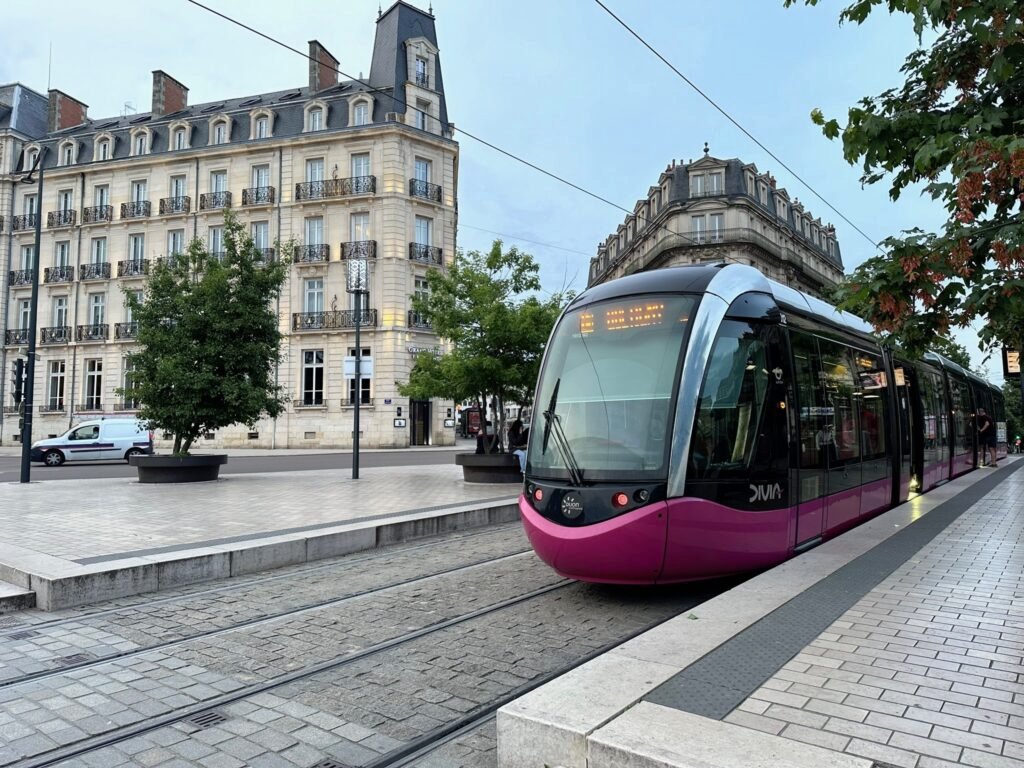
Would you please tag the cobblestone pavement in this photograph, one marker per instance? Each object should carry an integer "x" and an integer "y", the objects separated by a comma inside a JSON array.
[
  {"x": 354, "y": 713},
  {"x": 926, "y": 670}
]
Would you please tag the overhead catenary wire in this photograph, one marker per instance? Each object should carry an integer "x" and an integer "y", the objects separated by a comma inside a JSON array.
[{"x": 735, "y": 122}]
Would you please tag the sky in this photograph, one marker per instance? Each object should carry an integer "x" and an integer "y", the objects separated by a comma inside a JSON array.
[{"x": 556, "y": 82}]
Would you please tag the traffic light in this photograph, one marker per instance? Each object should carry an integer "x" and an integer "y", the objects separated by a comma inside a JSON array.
[{"x": 18, "y": 379}]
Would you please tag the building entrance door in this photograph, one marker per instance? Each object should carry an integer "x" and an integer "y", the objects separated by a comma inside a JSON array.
[{"x": 419, "y": 422}]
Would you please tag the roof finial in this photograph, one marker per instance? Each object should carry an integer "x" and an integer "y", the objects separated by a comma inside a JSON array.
[
  {"x": 430, "y": 9},
  {"x": 380, "y": 11},
  {"x": 705, "y": 149}
]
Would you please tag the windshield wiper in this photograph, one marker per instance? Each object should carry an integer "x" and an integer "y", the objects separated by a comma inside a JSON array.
[{"x": 553, "y": 423}]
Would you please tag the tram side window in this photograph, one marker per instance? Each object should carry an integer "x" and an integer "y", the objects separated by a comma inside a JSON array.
[
  {"x": 815, "y": 417},
  {"x": 872, "y": 406},
  {"x": 841, "y": 392},
  {"x": 929, "y": 417},
  {"x": 740, "y": 425},
  {"x": 960, "y": 405},
  {"x": 943, "y": 412}
]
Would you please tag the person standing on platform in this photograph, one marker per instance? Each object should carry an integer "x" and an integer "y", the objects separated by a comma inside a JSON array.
[{"x": 986, "y": 437}]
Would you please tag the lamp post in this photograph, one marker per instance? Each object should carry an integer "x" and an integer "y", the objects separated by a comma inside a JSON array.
[
  {"x": 30, "y": 367},
  {"x": 357, "y": 282}
]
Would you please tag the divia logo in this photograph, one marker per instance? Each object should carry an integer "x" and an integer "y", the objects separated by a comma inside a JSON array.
[
  {"x": 572, "y": 506},
  {"x": 765, "y": 492}
]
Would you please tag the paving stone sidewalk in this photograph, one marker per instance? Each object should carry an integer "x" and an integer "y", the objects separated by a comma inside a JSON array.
[{"x": 926, "y": 670}]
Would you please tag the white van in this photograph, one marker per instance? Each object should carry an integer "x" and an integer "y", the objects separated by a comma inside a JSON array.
[{"x": 96, "y": 440}]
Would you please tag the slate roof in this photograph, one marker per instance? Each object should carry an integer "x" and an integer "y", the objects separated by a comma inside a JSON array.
[{"x": 22, "y": 110}]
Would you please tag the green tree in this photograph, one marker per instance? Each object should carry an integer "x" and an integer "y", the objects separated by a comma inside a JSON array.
[
  {"x": 208, "y": 339},
  {"x": 955, "y": 126},
  {"x": 485, "y": 305},
  {"x": 1014, "y": 413}
]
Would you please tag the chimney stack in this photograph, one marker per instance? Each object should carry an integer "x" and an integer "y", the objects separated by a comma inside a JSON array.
[
  {"x": 322, "y": 67},
  {"x": 168, "y": 94},
  {"x": 63, "y": 111}
]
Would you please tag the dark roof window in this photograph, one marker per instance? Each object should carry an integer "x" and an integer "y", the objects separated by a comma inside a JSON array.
[
  {"x": 109, "y": 124},
  {"x": 213, "y": 108},
  {"x": 291, "y": 95},
  {"x": 142, "y": 119},
  {"x": 179, "y": 113},
  {"x": 250, "y": 102}
]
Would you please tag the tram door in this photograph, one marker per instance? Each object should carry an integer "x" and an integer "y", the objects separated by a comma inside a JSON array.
[
  {"x": 911, "y": 455},
  {"x": 419, "y": 422},
  {"x": 815, "y": 420}
]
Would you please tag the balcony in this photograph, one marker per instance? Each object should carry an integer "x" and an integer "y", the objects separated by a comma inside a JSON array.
[
  {"x": 140, "y": 209},
  {"x": 96, "y": 332},
  {"x": 170, "y": 262},
  {"x": 209, "y": 201},
  {"x": 98, "y": 271},
  {"x": 425, "y": 190},
  {"x": 64, "y": 218},
  {"x": 98, "y": 214},
  {"x": 124, "y": 331},
  {"x": 56, "y": 334},
  {"x": 422, "y": 80},
  {"x": 133, "y": 268},
  {"x": 258, "y": 196},
  {"x": 52, "y": 407},
  {"x": 265, "y": 255},
  {"x": 17, "y": 337},
  {"x": 359, "y": 249},
  {"x": 129, "y": 406},
  {"x": 92, "y": 406},
  {"x": 171, "y": 205},
  {"x": 59, "y": 275},
  {"x": 713, "y": 192},
  {"x": 333, "y": 320},
  {"x": 319, "y": 190},
  {"x": 312, "y": 254},
  {"x": 27, "y": 221},
  {"x": 20, "y": 276},
  {"x": 12, "y": 410},
  {"x": 428, "y": 254},
  {"x": 416, "y": 320}
]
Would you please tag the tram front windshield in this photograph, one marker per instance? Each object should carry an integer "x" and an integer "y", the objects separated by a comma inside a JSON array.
[{"x": 606, "y": 391}]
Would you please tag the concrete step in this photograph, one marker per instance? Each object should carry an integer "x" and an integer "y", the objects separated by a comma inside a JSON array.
[{"x": 15, "y": 598}]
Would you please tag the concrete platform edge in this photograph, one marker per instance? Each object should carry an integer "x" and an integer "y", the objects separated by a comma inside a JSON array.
[
  {"x": 61, "y": 583},
  {"x": 561, "y": 724}
]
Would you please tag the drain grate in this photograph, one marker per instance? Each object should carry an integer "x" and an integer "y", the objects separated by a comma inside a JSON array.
[
  {"x": 75, "y": 658},
  {"x": 23, "y": 635},
  {"x": 329, "y": 763},
  {"x": 207, "y": 719}
]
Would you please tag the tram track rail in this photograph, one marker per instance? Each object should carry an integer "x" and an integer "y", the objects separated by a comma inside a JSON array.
[
  {"x": 254, "y": 622},
  {"x": 111, "y": 738}
]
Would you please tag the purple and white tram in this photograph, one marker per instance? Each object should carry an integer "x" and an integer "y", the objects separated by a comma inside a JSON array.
[{"x": 699, "y": 421}]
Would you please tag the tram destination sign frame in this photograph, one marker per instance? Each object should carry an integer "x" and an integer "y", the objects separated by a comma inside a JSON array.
[{"x": 1011, "y": 363}]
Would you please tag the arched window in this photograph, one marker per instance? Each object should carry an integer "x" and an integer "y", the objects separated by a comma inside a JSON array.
[
  {"x": 29, "y": 161},
  {"x": 140, "y": 139},
  {"x": 220, "y": 133},
  {"x": 261, "y": 123},
  {"x": 316, "y": 116},
  {"x": 179, "y": 138},
  {"x": 102, "y": 147},
  {"x": 361, "y": 113},
  {"x": 66, "y": 153},
  {"x": 180, "y": 135}
]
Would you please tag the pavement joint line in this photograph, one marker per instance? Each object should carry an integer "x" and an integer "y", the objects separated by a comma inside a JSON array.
[
  {"x": 171, "y": 548},
  {"x": 309, "y": 608},
  {"x": 715, "y": 684},
  {"x": 277, "y": 575},
  {"x": 85, "y": 746}
]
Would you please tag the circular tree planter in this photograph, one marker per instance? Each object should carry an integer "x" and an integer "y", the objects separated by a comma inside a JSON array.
[
  {"x": 178, "y": 469},
  {"x": 489, "y": 467}
]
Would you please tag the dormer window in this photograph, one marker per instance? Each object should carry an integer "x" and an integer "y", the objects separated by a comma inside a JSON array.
[
  {"x": 362, "y": 114},
  {"x": 261, "y": 124},
  {"x": 179, "y": 138},
  {"x": 30, "y": 159},
  {"x": 262, "y": 127},
  {"x": 220, "y": 133},
  {"x": 316, "y": 116},
  {"x": 103, "y": 153},
  {"x": 180, "y": 133},
  {"x": 140, "y": 142},
  {"x": 67, "y": 153},
  {"x": 102, "y": 147}
]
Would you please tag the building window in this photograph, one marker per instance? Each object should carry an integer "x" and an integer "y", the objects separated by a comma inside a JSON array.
[
  {"x": 65, "y": 200},
  {"x": 361, "y": 113},
  {"x": 101, "y": 196},
  {"x": 763, "y": 192},
  {"x": 361, "y": 165},
  {"x": 93, "y": 384},
  {"x": 424, "y": 230},
  {"x": 55, "y": 389},
  {"x": 179, "y": 139},
  {"x": 139, "y": 191},
  {"x": 715, "y": 183},
  {"x": 262, "y": 127},
  {"x": 97, "y": 302},
  {"x": 128, "y": 308},
  {"x": 315, "y": 230},
  {"x": 103, "y": 150},
  {"x": 24, "y": 313},
  {"x": 261, "y": 176},
  {"x": 697, "y": 184},
  {"x": 422, "y": 170},
  {"x": 364, "y": 381},
  {"x": 312, "y": 377},
  {"x": 313, "y": 295},
  {"x": 216, "y": 242},
  {"x": 359, "y": 224},
  {"x": 139, "y": 144},
  {"x": 220, "y": 132},
  {"x": 29, "y": 206},
  {"x": 316, "y": 119},
  {"x": 28, "y": 257},
  {"x": 175, "y": 242},
  {"x": 315, "y": 170},
  {"x": 98, "y": 252},
  {"x": 67, "y": 154},
  {"x": 130, "y": 382},
  {"x": 717, "y": 227},
  {"x": 421, "y": 72},
  {"x": 219, "y": 181},
  {"x": 698, "y": 227},
  {"x": 260, "y": 231},
  {"x": 421, "y": 291},
  {"x": 62, "y": 254},
  {"x": 422, "y": 111},
  {"x": 137, "y": 249},
  {"x": 60, "y": 311},
  {"x": 178, "y": 184}
]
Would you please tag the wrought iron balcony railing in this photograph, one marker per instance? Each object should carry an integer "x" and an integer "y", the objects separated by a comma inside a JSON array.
[
  {"x": 52, "y": 406},
  {"x": 359, "y": 249},
  {"x": 131, "y": 405},
  {"x": 98, "y": 271},
  {"x": 258, "y": 196},
  {"x": 182, "y": 204},
  {"x": 20, "y": 277},
  {"x": 133, "y": 268},
  {"x": 137, "y": 210},
  {"x": 426, "y": 190},
  {"x": 90, "y": 405},
  {"x": 59, "y": 275},
  {"x": 318, "y": 190},
  {"x": 266, "y": 255},
  {"x": 169, "y": 261},
  {"x": 428, "y": 254},
  {"x": 26, "y": 221},
  {"x": 422, "y": 80},
  {"x": 695, "y": 193},
  {"x": 211, "y": 200},
  {"x": 97, "y": 214},
  {"x": 416, "y": 320},
  {"x": 55, "y": 334},
  {"x": 12, "y": 410},
  {"x": 16, "y": 337},
  {"x": 63, "y": 218},
  {"x": 129, "y": 330},
  {"x": 333, "y": 320},
  {"x": 98, "y": 332},
  {"x": 312, "y": 254}
]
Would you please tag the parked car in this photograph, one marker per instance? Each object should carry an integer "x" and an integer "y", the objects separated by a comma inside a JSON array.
[{"x": 96, "y": 440}]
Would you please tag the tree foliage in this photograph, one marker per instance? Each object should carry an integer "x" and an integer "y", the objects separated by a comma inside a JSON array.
[
  {"x": 485, "y": 305},
  {"x": 209, "y": 339},
  {"x": 956, "y": 126}
]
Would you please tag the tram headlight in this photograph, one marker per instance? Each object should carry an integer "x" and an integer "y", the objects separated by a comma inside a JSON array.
[{"x": 619, "y": 500}]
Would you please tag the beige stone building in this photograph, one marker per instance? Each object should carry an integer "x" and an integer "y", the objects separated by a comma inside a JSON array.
[
  {"x": 345, "y": 169},
  {"x": 722, "y": 210}
]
